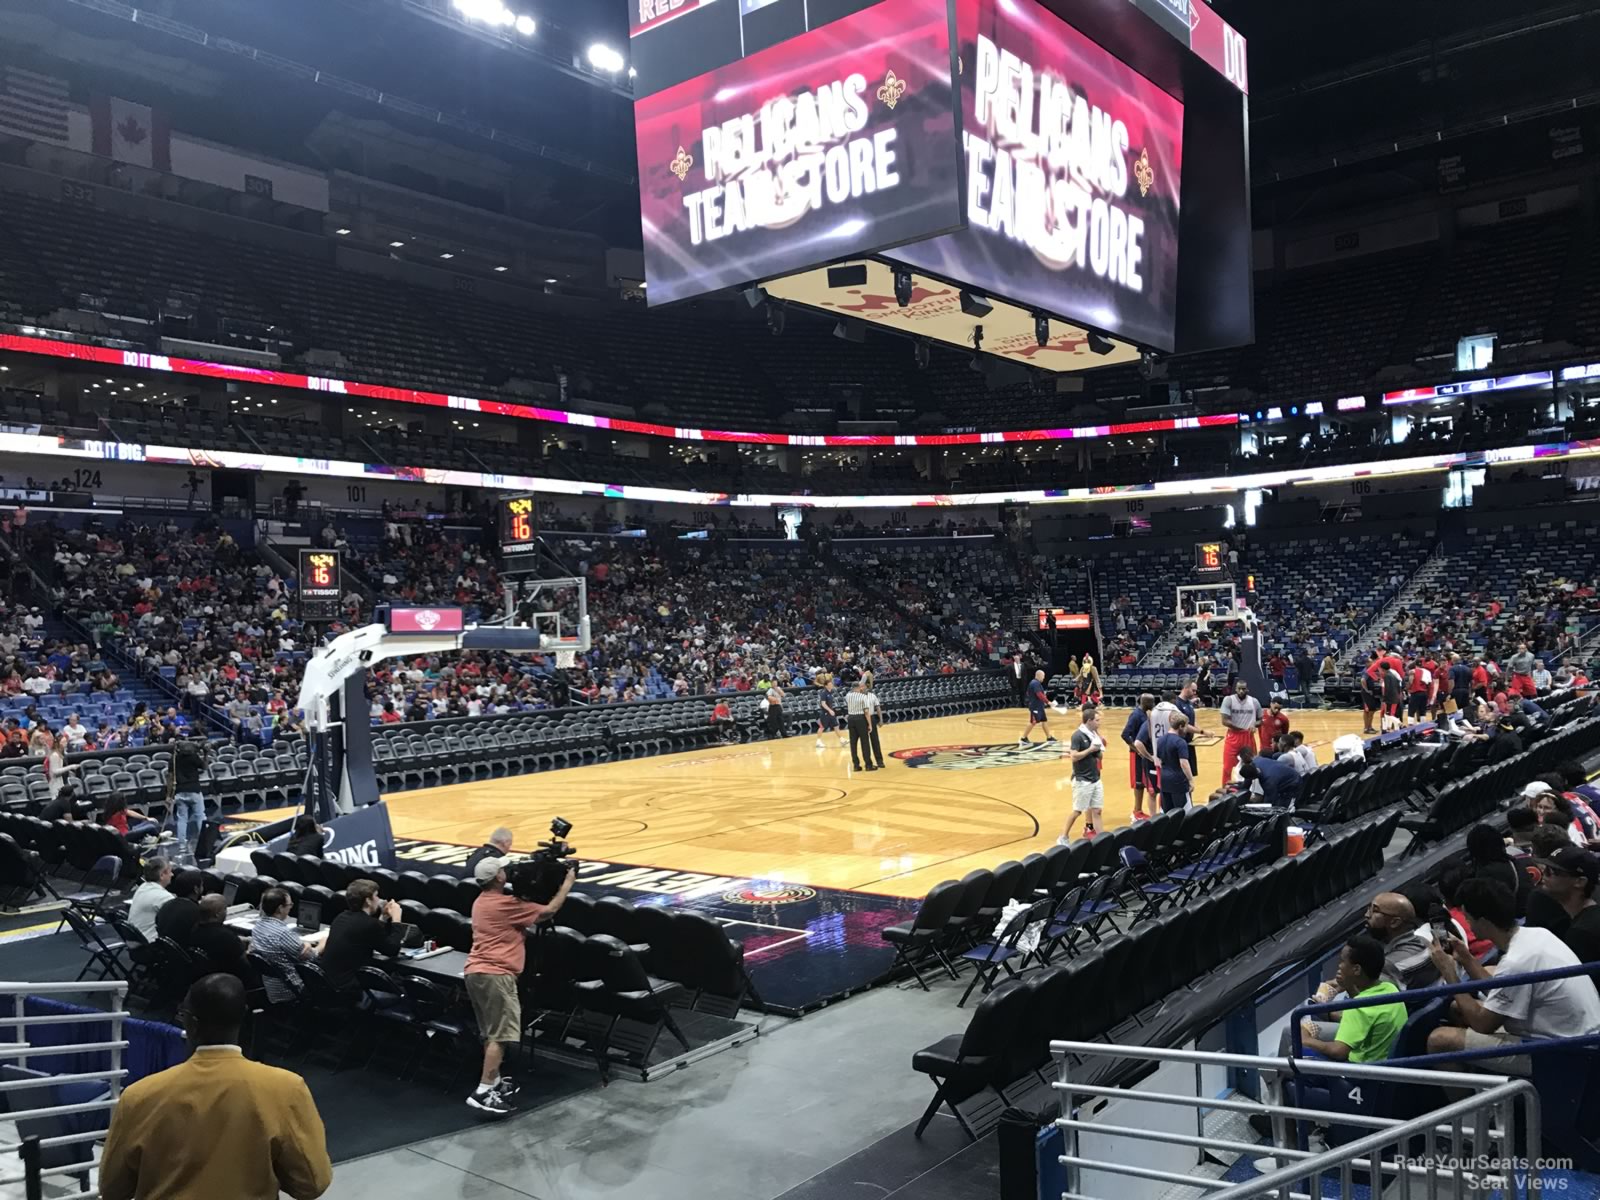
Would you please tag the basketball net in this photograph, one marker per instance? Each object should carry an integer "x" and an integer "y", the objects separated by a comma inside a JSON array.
[{"x": 566, "y": 659}]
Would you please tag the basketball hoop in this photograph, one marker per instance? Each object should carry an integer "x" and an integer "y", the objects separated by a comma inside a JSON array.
[{"x": 566, "y": 659}]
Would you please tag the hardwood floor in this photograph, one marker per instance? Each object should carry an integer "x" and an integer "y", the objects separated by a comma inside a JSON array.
[{"x": 796, "y": 812}]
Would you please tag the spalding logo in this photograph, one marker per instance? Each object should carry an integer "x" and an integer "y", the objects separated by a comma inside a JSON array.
[
  {"x": 362, "y": 854},
  {"x": 979, "y": 758},
  {"x": 427, "y": 618}
]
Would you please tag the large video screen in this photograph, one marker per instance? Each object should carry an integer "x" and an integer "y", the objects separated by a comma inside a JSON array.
[
  {"x": 839, "y": 141},
  {"x": 1073, "y": 176}
]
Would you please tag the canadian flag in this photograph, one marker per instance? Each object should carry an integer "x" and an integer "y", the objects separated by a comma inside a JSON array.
[{"x": 131, "y": 133}]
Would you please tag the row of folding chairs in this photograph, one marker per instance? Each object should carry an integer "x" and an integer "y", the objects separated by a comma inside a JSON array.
[{"x": 1110, "y": 987}]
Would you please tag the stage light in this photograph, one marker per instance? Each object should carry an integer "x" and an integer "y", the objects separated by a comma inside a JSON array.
[
  {"x": 754, "y": 295},
  {"x": 975, "y": 304},
  {"x": 849, "y": 333},
  {"x": 502, "y": 268},
  {"x": 342, "y": 232},
  {"x": 395, "y": 245},
  {"x": 977, "y": 337},
  {"x": 922, "y": 355},
  {"x": 902, "y": 286},
  {"x": 552, "y": 281},
  {"x": 604, "y": 58},
  {"x": 526, "y": 25},
  {"x": 1041, "y": 329},
  {"x": 1100, "y": 345},
  {"x": 447, "y": 254}
]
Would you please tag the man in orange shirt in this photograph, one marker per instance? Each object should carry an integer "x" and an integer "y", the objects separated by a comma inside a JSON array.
[{"x": 499, "y": 921}]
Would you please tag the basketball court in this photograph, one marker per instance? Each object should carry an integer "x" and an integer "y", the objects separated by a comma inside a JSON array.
[{"x": 958, "y": 793}]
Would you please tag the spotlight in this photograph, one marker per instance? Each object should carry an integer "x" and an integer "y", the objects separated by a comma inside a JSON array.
[
  {"x": 1100, "y": 345},
  {"x": 975, "y": 304},
  {"x": 849, "y": 333},
  {"x": 1041, "y": 329},
  {"x": 977, "y": 337},
  {"x": 776, "y": 318},
  {"x": 923, "y": 355},
  {"x": 604, "y": 58},
  {"x": 754, "y": 296},
  {"x": 902, "y": 286},
  {"x": 526, "y": 25}
]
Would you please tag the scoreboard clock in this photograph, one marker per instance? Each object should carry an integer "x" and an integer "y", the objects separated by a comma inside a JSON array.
[
  {"x": 1210, "y": 558},
  {"x": 519, "y": 529},
  {"x": 321, "y": 583}
]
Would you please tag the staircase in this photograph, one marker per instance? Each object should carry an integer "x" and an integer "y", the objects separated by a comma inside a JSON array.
[{"x": 1357, "y": 648}]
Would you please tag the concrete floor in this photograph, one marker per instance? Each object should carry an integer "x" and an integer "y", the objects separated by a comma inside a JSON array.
[{"x": 748, "y": 1124}]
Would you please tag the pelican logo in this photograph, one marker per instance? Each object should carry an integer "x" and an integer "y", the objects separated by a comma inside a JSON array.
[
  {"x": 892, "y": 89},
  {"x": 1144, "y": 173},
  {"x": 976, "y": 758},
  {"x": 757, "y": 894},
  {"x": 681, "y": 165},
  {"x": 427, "y": 618}
]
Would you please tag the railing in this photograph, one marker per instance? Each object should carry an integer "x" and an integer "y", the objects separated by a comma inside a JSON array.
[
  {"x": 32, "y": 1149},
  {"x": 1485, "y": 1125},
  {"x": 1354, "y": 649}
]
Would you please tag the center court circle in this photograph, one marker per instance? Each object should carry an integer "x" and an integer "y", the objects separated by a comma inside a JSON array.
[{"x": 978, "y": 758}]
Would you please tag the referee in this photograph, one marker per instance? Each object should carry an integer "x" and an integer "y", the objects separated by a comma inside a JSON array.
[
  {"x": 873, "y": 719},
  {"x": 855, "y": 706}
]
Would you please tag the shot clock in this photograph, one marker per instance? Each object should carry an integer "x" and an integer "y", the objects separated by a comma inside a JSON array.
[
  {"x": 321, "y": 584},
  {"x": 1210, "y": 558},
  {"x": 519, "y": 530}
]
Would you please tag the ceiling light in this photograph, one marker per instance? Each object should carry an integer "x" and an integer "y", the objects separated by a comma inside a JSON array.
[
  {"x": 603, "y": 58},
  {"x": 396, "y": 245},
  {"x": 552, "y": 281},
  {"x": 342, "y": 232},
  {"x": 447, "y": 254},
  {"x": 526, "y": 25},
  {"x": 502, "y": 268}
]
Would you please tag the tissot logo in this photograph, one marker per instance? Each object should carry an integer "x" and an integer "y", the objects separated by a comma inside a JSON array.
[{"x": 977, "y": 758}]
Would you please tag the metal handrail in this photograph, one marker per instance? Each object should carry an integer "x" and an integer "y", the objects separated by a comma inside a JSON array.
[
  {"x": 1487, "y": 1116},
  {"x": 30, "y": 1149}
]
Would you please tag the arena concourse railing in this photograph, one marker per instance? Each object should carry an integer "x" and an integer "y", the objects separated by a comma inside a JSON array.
[
  {"x": 39, "y": 1103},
  {"x": 1132, "y": 1159}
]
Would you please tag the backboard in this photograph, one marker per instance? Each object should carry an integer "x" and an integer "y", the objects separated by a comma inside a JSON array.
[{"x": 1203, "y": 604}]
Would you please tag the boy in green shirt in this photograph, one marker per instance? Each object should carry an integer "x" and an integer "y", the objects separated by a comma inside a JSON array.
[{"x": 1364, "y": 1034}]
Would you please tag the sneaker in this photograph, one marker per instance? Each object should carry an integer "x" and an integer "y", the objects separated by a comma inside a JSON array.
[
  {"x": 1141, "y": 815},
  {"x": 1088, "y": 831},
  {"x": 1261, "y": 1125},
  {"x": 506, "y": 1087},
  {"x": 1022, "y": 741},
  {"x": 1061, "y": 841},
  {"x": 1049, "y": 741},
  {"x": 819, "y": 744},
  {"x": 491, "y": 1101}
]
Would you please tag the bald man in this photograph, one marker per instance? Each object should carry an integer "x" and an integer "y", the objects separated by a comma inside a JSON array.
[{"x": 1393, "y": 920}]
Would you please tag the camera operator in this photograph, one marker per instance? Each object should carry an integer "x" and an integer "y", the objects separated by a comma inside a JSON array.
[
  {"x": 499, "y": 920},
  {"x": 498, "y": 846}
]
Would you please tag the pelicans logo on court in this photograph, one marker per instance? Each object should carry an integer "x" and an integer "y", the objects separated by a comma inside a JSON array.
[
  {"x": 975, "y": 758},
  {"x": 770, "y": 893}
]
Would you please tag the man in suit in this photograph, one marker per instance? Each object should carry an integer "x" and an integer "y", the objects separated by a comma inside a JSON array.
[{"x": 217, "y": 1125}]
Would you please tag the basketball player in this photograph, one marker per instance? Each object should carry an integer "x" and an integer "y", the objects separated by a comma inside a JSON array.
[
  {"x": 1159, "y": 724},
  {"x": 1136, "y": 760},
  {"x": 1088, "y": 683},
  {"x": 1036, "y": 711},
  {"x": 1087, "y": 752},
  {"x": 1241, "y": 713},
  {"x": 827, "y": 715},
  {"x": 1394, "y": 691},
  {"x": 1419, "y": 690},
  {"x": 1274, "y": 723}
]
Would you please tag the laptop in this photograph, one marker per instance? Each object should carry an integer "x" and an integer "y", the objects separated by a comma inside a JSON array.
[
  {"x": 230, "y": 893},
  {"x": 310, "y": 912}
]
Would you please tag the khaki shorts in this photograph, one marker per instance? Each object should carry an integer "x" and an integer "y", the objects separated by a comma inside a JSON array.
[
  {"x": 497, "y": 1006},
  {"x": 1515, "y": 1064},
  {"x": 1088, "y": 794}
]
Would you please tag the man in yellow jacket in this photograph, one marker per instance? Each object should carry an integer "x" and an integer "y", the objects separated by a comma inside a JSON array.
[{"x": 218, "y": 1125}]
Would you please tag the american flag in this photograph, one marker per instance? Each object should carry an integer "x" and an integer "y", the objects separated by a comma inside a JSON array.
[{"x": 33, "y": 105}]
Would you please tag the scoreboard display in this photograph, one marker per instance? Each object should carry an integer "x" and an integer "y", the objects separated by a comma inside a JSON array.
[
  {"x": 321, "y": 583},
  {"x": 1210, "y": 558},
  {"x": 519, "y": 529}
]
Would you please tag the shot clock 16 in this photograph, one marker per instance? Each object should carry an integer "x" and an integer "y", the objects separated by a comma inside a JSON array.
[
  {"x": 1209, "y": 558},
  {"x": 321, "y": 582},
  {"x": 519, "y": 527}
]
